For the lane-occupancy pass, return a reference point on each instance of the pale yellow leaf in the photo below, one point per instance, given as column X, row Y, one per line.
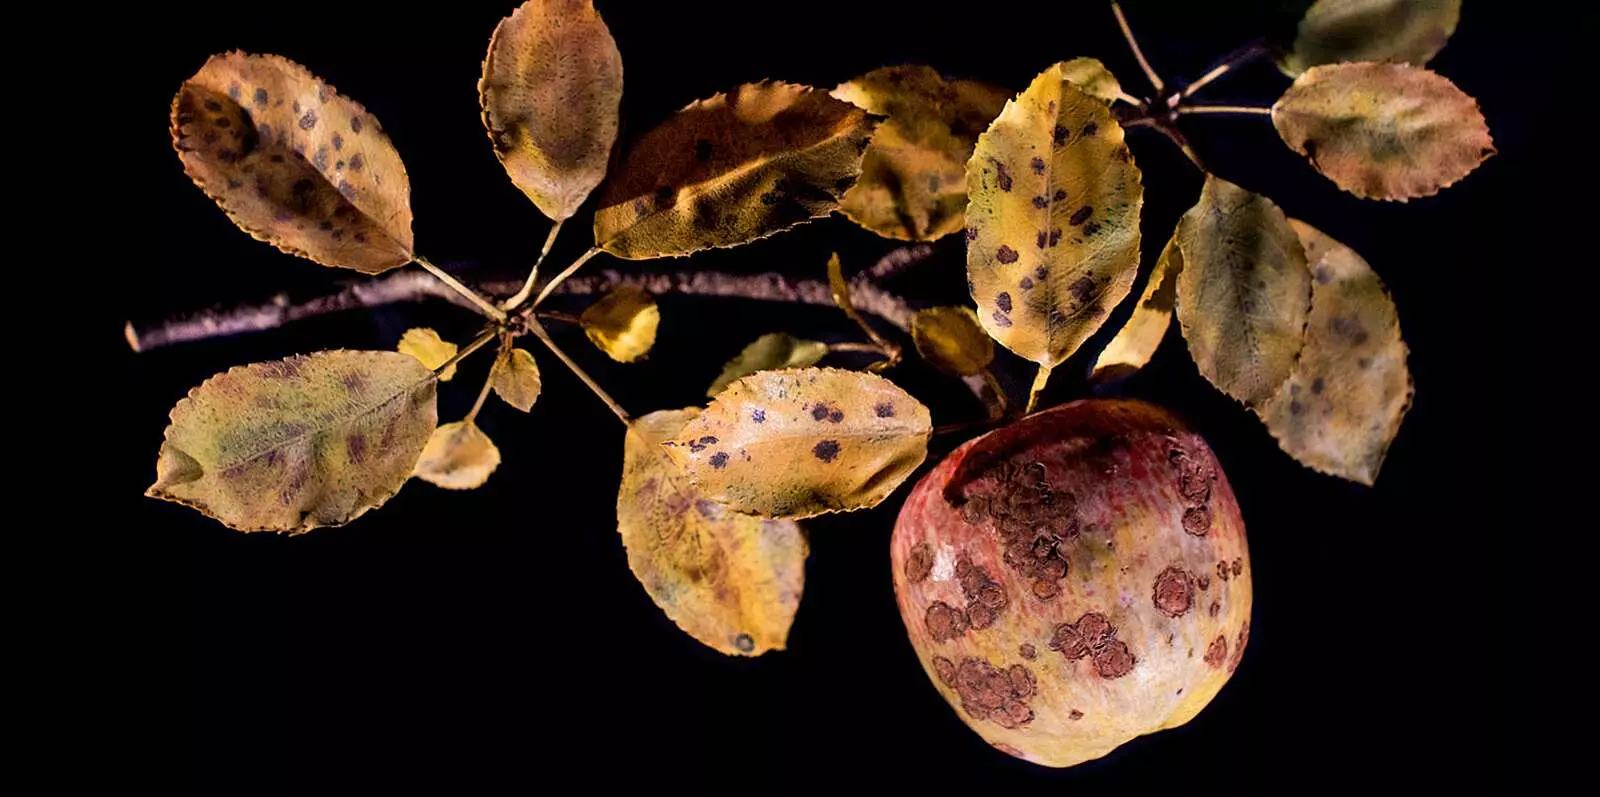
column 1412, row 31
column 1093, row 78
column 515, row 378
column 459, row 456
column 771, row 351
column 952, row 340
column 431, row 350
column 623, row 323
column 1138, row 339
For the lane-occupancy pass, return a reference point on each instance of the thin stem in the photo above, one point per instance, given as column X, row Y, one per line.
column 562, row 277
column 1248, row 109
column 841, row 297
column 488, row 382
column 483, row 305
column 556, row 315
column 1232, row 61
column 855, row 347
column 477, row 343
column 533, row 275
column 1133, row 44
column 1039, row 381
column 544, row 337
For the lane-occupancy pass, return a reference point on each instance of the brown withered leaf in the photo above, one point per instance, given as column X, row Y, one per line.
column 623, row 323
column 458, row 456
column 294, row 163
column 1053, row 224
column 1093, row 78
column 431, row 350
column 804, row 442
column 514, row 377
column 294, row 444
column 1343, row 403
column 1244, row 291
column 1383, row 131
column 550, row 89
column 731, row 581
column 1412, row 31
column 913, row 184
column 1138, row 339
column 952, row 340
column 772, row 351
column 730, row 169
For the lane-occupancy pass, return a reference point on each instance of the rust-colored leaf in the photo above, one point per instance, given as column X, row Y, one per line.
column 1413, row 31
column 1138, row 339
column 431, row 350
column 514, row 377
column 294, row 163
column 952, row 340
column 772, row 351
column 623, row 323
column 458, row 456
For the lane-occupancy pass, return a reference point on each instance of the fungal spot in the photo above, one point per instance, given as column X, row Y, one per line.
column 357, row 162
column 213, row 106
column 1075, row 715
column 1026, row 284
column 919, row 562
column 1174, row 592
column 1005, row 254
column 355, row 124
column 1001, row 320
column 1091, row 228
column 1055, row 236
column 1082, row 289
column 985, row 599
column 308, row 120
column 719, row 460
column 1001, row 175
column 883, row 409
column 972, row 233
column 1238, row 648
column 1060, row 194
column 1197, row 521
column 1041, row 202
column 1039, row 273
column 321, row 159
column 1026, row 650
column 1039, row 240
column 944, row 622
column 1323, row 275
column 744, row 643
column 990, row 693
column 356, row 447
column 1295, row 408
column 1364, row 363
column 1081, row 215
column 1214, row 609
column 702, row 150
column 819, row 413
column 826, row 450
column 1091, row 128
column 1095, row 637
column 348, row 190
column 1317, row 385
column 758, row 415
column 1060, row 134
column 1003, row 301
column 1238, row 566
column 1217, row 652
column 946, row 669
column 1203, row 582
column 1222, row 571
column 1038, row 165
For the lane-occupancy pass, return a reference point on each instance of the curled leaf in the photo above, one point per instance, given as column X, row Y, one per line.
column 1244, row 290
column 913, row 183
column 1383, row 131
column 431, row 350
column 298, row 443
column 1412, row 31
column 772, row 351
column 952, row 340
column 731, row 581
column 458, row 456
column 1053, row 225
column 1093, row 78
column 804, row 442
column 1343, row 403
column 294, row 163
column 730, row 169
column 1138, row 339
column 550, row 90
column 623, row 323
column 514, row 377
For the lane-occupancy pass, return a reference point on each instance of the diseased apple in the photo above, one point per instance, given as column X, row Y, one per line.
column 1075, row 579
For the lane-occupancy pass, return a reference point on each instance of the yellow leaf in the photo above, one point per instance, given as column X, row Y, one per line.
column 433, row 351
column 1053, row 226
column 550, row 90
column 293, row 163
column 294, row 444
column 771, row 351
column 913, row 183
column 951, row 339
column 1383, row 131
column 1244, row 291
column 1343, row 404
column 1093, row 78
column 459, row 456
column 804, row 442
column 1412, row 31
column 1138, row 340
column 731, row 169
column 623, row 323
column 731, row 581
column 515, row 378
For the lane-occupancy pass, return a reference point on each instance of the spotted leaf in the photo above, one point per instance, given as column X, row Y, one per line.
column 771, row 351
column 458, row 456
column 623, row 323
column 429, row 349
column 1410, row 31
column 952, row 340
column 1138, row 339
column 514, row 377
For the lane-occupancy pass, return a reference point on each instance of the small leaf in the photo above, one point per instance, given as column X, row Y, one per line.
column 731, row 169
column 623, row 323
column 515, row 378
column 430, row 349
column 550, row 90
column 459, row 456
column 731, row 581
column 800, row 443
column 1343, row 404
column 294, row 444
column 1411, row 31
column 952, row 340
column 771, row 351
column 1093, row 78
column 1244, row 291
column 913, row 184
column 1383, row 131
column 294, row 163
column 1053, row 226
column 1138, row 339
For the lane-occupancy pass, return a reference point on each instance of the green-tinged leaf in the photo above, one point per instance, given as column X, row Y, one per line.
column 1138, row 339
column 1410, row 31
column 772, row 351
column 515, row 378
column 430, row 349
column 294, row 444
column 459, row 456
column 1383, row 131
column 294, row 163
column 731, row 581
column 1093, row 78
column 731, row 169
column 952, row 340
column 804, row 442
column 623, row 323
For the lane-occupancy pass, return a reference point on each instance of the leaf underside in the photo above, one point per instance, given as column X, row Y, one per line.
column 1138, row 339
column 1410, row 31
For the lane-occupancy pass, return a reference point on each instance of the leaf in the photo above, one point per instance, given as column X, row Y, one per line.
column 623, row 323
column 430, row 349
column 731, row 581
column 1342, row 405
column 804, row 442
column 515, row 378
column 730, row 169
column 1053, row 226
column 1383, row 131
column 459, row 456
column 1411, row 31
column 1244, row 290
column 1138, row 339
column 952, row 340
column 294, row 163
column 771, row 351
column 1093, row 78
column 294, row 444
column 550, row 90
column 913, row 184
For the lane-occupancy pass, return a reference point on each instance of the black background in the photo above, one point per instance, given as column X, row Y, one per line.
column 497, row 638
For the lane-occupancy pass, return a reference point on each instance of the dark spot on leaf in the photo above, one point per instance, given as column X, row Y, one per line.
column 1295, row 408
column 320, row 160
column 213, row 106
column 1081, row 215
column 1091, row 128
column 324, row 225
column 348, row 190
column 1026, row 284
column 1091, row 228
column 1041, row 202
column 1323, row 278
column 719, row 460
column 972, row 233
column 1317, row 385
column 234, row 185
column 1040, row 239
column 744, row 643
column 1060, row 194
column 356, row 446
column 357, row 162
column 1005, row 254
column 1001, row 320
column 261, row 98
column 758, row 415
column 1082, row 289
column 1061, row 134
column 884, row 409
column 1001, row 175
column 1075, row 715
column 308, row 120
column 1003, row 301
column 826, row 450
column 355, row 124
column 275, row 158
column 819, row 413
column 338, row 142
column 1055, row 236
column 1038, row 165
column 1041, row 274
column 1364, row 363
column 234, row 92
column 836, row 415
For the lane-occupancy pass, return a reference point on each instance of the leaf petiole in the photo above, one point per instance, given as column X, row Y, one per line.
column 562, row 277
column 477, row 343
column 544, row 337
column 533, row 275
column 1238, row 109
column 484, row 305
column 1133, row 44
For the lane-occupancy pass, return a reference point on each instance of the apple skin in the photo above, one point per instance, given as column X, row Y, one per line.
column 1075, row 579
